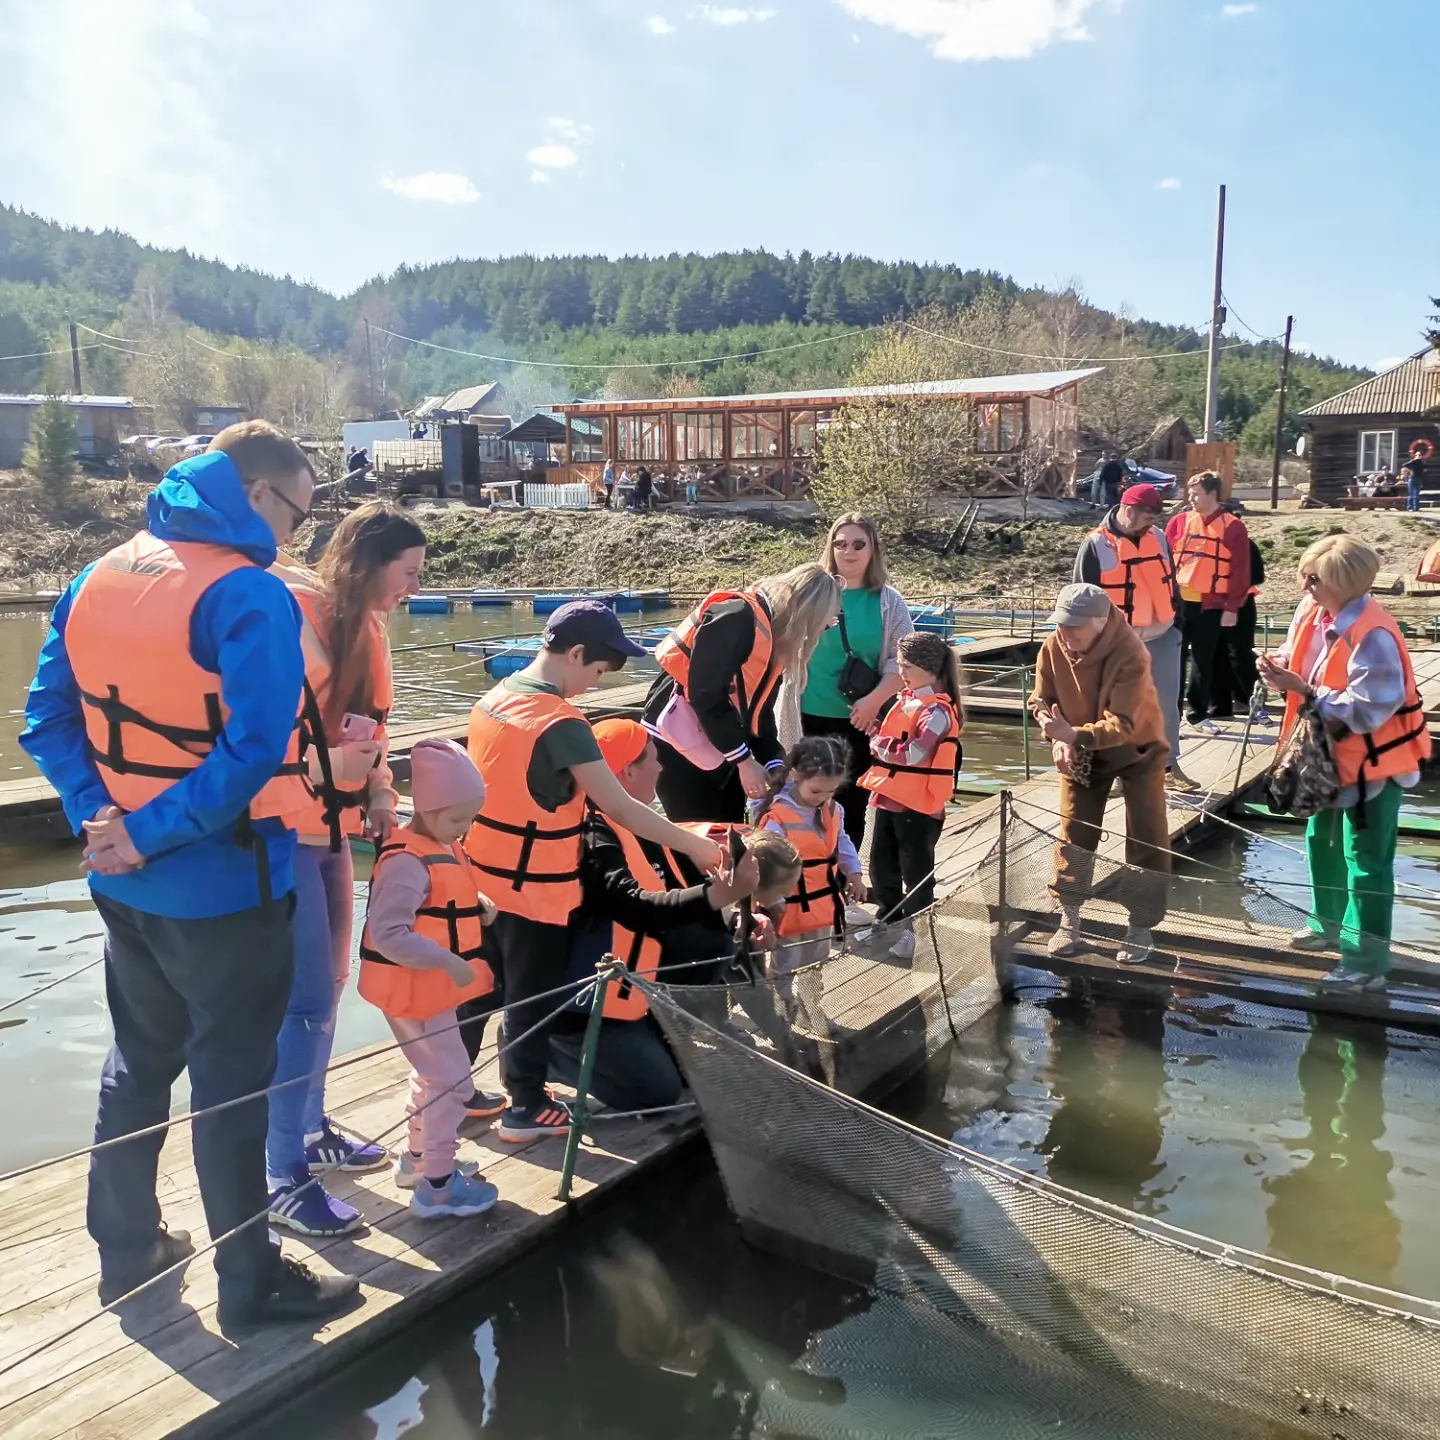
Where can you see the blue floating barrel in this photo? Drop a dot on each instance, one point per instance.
(512, 659)
(934, 619)
(428, 605)
(548, 604)
(485, 599)
(628, 602)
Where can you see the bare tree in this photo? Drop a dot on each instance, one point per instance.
(1125, 403)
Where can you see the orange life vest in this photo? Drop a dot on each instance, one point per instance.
(534, 851)
(818, 902)
(333, 810)
(450, 917)
(151, 713)
(756, 682)
(640, 952)
(1202, 559)
(924, 788)
(1402, 744)
(1140, 582)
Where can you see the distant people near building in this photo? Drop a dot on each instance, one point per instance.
(1345, 657)
(1232, 683)
(1096, 704)
(1111, 480)
(1414, 472)
(607, 482)
(692, 482)
(1212, 563)
(418, 431)
(358, 461)
(643, 496)
(1128, 556)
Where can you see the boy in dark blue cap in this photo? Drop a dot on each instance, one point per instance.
(541, 763)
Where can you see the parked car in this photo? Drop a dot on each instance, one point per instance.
(194, 444)
(1136, 474)
(160, 442)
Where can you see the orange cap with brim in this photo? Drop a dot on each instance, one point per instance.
(622, 742)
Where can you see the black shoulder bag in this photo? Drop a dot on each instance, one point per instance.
(857, 677)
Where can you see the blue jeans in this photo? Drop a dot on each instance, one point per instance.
(1412, 494)
(207, 996)
(324, 901)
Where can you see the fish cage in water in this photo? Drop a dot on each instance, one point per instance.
(1157, 1326)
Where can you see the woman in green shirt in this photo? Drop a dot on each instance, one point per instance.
(875, 616)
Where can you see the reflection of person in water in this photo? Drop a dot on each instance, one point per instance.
(1332, 1211)
(1107, 1065)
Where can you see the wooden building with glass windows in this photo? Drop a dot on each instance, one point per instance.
(766, 446)
(1375, 427)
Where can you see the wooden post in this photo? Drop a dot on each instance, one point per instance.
(1280, 416)
(1025, 721)
(1217, 325)
(75, 358)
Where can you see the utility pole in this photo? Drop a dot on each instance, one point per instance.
(1217, 325)
(75, 358)
(1280, 416)
(370, 367)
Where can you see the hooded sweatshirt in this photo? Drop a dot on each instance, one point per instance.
(246, 629)
(1106, 694)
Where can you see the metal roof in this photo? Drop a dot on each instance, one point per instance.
(989, 387)
(1410, 388)
(538, 428)
(470, 396)
(91, 402)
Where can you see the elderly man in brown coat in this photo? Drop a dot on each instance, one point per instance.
(1096, 704)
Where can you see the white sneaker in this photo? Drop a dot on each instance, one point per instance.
(1066, 940)
(1136, 948)
(858, 915)
(904, 947)
(1313, 940)
(408, 1174)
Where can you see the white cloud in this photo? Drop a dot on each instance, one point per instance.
(981, 29)
(539, 177)
(1169, 183)
(443, 187)
(732, 15)
(552, 157)
(562, 128)
(1231, 12)
(659, 25)
(1388, 363)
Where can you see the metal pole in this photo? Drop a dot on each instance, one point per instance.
(75, 358)
(370, 368)
(1002, 905)
(1025, 720)
(587, 1071)
(1280, 416)
(1217, 324)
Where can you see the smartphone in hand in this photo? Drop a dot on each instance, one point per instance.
(357, 727)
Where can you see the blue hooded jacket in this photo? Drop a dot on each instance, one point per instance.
(246, 629)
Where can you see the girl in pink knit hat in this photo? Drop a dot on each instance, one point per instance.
(420, 957)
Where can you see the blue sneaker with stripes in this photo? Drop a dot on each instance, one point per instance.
(330, 1150)
(308, 1209)
(460, 1195)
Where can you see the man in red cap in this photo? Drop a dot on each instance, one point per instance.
(1128, 556)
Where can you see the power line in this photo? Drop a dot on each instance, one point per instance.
(1230, 309)
(41, 354)
(1073, 360)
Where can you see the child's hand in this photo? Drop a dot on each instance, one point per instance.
(460, 972)
(488, 910)
(855, 888)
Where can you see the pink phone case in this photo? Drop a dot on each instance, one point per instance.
(357, 727)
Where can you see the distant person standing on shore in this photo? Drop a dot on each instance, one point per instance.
(1111, 481)
(607, 479)
(1414, 472)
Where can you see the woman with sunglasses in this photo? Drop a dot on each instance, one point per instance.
(1346, 660)
(836, 696)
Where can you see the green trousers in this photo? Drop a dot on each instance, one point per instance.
(1352, 877)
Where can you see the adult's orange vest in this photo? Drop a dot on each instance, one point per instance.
(334, 810)
(1202, 559)
(1402, 744)
(818, 902)
(757, 679)
(1140, 582)
(151, 713)
(450, 917)
(534, 853)
(639, 952)
(925, 788)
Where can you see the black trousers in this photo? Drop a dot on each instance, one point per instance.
(689, 793)
(1200, 636)
(528, 958)
(206, 996)
(1232, 681)
(854, 801)
(902, 862)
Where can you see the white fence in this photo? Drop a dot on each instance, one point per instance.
(557, 497)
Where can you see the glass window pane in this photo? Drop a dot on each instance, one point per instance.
(755, 434)
(1386, 449)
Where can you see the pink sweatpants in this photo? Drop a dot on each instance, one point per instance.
(440, 1084)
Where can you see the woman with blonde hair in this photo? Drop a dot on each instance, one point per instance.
(1346, 660)
(854, 671)
(712, 710)
(371, 564)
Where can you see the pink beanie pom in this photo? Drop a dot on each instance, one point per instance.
(442, 774)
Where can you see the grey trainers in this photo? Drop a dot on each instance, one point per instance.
(1066, 940)
(1313, 940)
(1136, 948)
(1343, 980)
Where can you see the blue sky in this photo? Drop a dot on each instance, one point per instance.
(1049, 139)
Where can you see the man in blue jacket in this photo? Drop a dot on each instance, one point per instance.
(163, 705)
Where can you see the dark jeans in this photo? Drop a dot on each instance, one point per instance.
(207, 996)
(902, 862)
(634, 1069)
(689, 793)
(1201, 634)
(1232, 682)
(854, 801)
(530, 959)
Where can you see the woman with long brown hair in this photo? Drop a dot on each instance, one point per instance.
(370, 566)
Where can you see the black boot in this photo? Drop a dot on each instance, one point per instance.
(296, 1293)
(170, 1247)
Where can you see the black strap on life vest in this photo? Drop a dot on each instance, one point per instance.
(1126, 587)
(117, 713)
(632, 963)
(833, 888)
(529, 834)
(896, 769)
(450, 912)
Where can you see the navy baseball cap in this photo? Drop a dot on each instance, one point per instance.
(590, 623)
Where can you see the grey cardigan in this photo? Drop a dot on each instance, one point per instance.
(895, 621)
